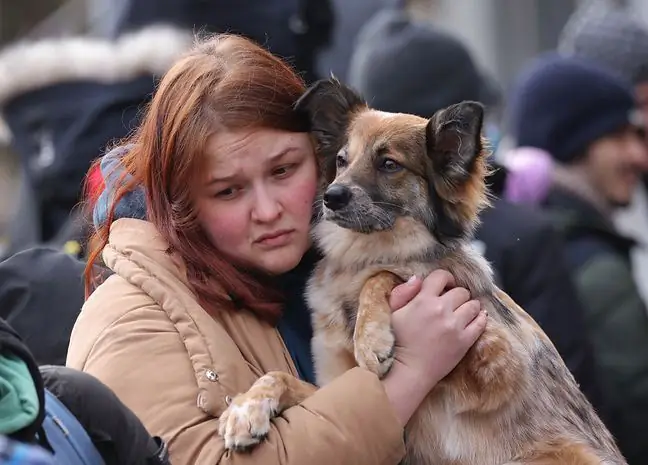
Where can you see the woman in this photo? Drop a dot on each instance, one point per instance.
(205, 220)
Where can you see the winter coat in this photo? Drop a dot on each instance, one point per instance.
(144, 334)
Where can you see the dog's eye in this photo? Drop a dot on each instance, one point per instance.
(340, 161)
(389, 166)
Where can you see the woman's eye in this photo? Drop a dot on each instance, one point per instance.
(226, 194)
(283, 171)
(389, 166)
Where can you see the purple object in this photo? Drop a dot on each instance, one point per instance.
(529, 175)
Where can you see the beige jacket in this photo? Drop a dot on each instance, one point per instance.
(143, 333)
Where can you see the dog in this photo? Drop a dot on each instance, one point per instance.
(401, 196)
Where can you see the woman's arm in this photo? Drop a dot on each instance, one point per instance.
(144, 360)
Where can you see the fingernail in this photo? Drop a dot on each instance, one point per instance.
(412, 280)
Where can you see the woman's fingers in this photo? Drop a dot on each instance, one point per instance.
(476, 327)
(437, 282)
(467, 312)
(402, 294)
(455, 298)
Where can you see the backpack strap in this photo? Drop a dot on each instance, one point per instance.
(67, 437)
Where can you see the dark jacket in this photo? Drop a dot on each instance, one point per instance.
(615, 315)
(41, 294)
(118, 434)
(529, 262)
(293, 29)
(528, 257)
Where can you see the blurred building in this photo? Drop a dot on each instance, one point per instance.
(503, 34)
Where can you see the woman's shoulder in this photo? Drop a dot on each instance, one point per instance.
(137, 307)
(112, 304)
(170, 367)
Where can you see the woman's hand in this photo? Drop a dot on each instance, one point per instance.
(435, 323)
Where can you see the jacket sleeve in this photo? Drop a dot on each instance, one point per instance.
(349, 421)
(618, 324)
(538, 279)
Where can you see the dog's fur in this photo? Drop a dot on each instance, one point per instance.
(404, 200)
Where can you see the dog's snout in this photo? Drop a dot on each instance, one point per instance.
(337, 196)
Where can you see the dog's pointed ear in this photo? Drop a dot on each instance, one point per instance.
(457, 166)
(328, 104)
(454, 140)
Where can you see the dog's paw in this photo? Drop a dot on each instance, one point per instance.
(246, 422)
(374, 348)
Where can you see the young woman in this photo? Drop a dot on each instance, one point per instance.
(204, 220)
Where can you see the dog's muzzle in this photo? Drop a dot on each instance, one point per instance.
(337, 197)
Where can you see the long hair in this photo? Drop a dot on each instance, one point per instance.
(225, 82)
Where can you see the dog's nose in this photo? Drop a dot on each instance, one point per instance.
(337, 196)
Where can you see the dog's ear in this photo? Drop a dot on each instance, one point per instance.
(457, 166)
(328, 104)
(453, 138)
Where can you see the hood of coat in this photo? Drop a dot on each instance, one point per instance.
(31, 65)
(145, 249)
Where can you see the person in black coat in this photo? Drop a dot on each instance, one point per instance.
(295, 30)
(41, 295)
(528, 256)
(119, 436)
(401, 65)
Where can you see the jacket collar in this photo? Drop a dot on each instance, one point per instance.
(141, 242)
(577, 217)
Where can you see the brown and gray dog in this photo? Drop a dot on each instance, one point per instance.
(402, 198)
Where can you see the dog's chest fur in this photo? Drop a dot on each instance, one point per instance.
(350, 258)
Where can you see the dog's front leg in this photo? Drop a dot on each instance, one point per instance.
(246, 421)
(373, 338)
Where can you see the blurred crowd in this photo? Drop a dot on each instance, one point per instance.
(566, 232)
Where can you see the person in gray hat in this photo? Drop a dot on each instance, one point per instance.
(609, 34)
(392, 48)
(612, 38)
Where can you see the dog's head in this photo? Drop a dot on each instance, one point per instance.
(380, 166)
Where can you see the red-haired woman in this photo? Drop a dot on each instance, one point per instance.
(204, 219)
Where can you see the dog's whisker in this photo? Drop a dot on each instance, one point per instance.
(388, 204)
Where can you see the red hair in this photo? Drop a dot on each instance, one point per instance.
(226, 82)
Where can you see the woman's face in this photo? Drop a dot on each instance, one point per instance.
(256, 197)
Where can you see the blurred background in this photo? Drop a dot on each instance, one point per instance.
(565, 88)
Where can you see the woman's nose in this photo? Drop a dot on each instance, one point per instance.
(266, 208)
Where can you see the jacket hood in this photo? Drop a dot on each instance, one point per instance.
(146, 250)
(27, 66)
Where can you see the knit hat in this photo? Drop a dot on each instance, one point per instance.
(562, 105)
(406, 66)
(608, 35)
